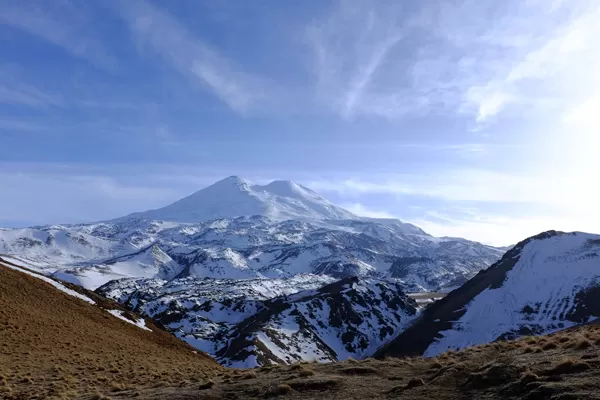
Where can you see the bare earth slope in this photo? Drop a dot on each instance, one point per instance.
(53, 344)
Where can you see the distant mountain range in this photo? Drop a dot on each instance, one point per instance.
(213, 268)
(236, 230)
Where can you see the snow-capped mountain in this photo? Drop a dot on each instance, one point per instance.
(233, 197)
(546, 283)
(247, 323)
(236, 268)
(237, 230)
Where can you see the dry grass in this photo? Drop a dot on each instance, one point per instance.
(359, 370)
(99, 396)
(279, 390)
(549, 346)
(315, 384)
(46, 359)
(206, 385)
(58, 346)
(568, 366)
(303, 373)
(249, 375)
(302, 370)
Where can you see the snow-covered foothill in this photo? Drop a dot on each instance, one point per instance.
(546, 283)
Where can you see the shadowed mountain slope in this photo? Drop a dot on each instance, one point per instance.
(546, 283)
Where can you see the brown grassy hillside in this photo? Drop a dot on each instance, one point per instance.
(55, 345)
(562, 366)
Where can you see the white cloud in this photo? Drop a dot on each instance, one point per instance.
(194, 58)
(350, 47)
(496, 231)
(61, 23)
(363, 211)
(585, 115)
(501, 207)
(559, 65)
(14, 92)
(38, 197)
(386, 59)
(562, 190)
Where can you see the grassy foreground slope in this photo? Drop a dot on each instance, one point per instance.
(53, 345)
(56, 345)
(565, 365)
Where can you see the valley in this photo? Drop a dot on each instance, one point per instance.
(55, 345)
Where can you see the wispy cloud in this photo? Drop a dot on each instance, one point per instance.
(21, 125)
(490, 206)
(76, 198)
(193, 57)
(83, 193)
(17, 93)
(555, 69)
(61, 23)
(351, 46)
(390, 59)
(492, 229)
(364, 211)
(476, 185)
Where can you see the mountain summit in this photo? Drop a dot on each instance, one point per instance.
(234, 197)
(213, 268)
(235, 229)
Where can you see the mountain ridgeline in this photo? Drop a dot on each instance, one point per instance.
(274, 274)
(312, 318)
(546, 283)
(237, 230)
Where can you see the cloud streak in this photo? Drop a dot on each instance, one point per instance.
(193, 57)
(17, 93)
(387, 59)
(350, 47)
(364, 211)
(62, 24)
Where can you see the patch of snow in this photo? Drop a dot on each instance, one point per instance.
(140, 323)
(54, 283)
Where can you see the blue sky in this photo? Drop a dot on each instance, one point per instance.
(471, 118)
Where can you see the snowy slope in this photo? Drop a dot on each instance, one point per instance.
(247, 247)
(546, 283)
(245, 323)
(202, 311)
(348, 318)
